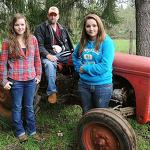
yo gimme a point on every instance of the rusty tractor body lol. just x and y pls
(107, 128)
(134, 73)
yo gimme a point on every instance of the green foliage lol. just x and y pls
(127, 23)
(109, 14)
(34, 14)
(71, 11)
(32, 9)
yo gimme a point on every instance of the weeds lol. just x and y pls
(57, 124)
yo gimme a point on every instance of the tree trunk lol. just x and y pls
(142, 27)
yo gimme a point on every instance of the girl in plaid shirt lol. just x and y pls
(20, 71)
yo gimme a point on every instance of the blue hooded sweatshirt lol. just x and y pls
(97, 65)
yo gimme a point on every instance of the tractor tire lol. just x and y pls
(105, 129)
(36, 101)
(5, 102)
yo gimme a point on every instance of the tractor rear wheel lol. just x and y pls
(105, 129)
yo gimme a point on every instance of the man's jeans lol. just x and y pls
(94, 96)
(50, 72)
(22, 93)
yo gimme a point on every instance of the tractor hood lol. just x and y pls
(132, 64)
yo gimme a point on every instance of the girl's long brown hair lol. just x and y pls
(84, 36)
(14, 45)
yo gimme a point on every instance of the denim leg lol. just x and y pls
(86, 96)
(28, 96)
(17, 94)
(102, 95)
(50, 72)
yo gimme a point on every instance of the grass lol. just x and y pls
(122, 45)
(142, 134)
(56, 123)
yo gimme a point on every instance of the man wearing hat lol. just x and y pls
(55, 46)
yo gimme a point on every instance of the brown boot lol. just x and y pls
(23, 138)
(52, 98)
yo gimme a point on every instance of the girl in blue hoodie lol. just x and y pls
(93, 58)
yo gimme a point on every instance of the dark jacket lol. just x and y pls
(44, 36)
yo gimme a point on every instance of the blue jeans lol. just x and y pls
(22, 93)
(50, 72)
(94, 96)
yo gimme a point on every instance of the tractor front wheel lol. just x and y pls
(105, 129)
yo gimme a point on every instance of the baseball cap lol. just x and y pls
(53, 9)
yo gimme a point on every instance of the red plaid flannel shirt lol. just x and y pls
(21, 69)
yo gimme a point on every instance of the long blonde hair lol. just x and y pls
(14, 45)
(84, 36)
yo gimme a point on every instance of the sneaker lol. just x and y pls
(52, 98)
(23, 138)
(37, 137)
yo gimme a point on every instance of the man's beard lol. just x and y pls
(52, 21)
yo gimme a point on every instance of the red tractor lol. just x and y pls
(99, 128)
(107, 128)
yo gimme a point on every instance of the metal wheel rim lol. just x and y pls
(97, 136)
